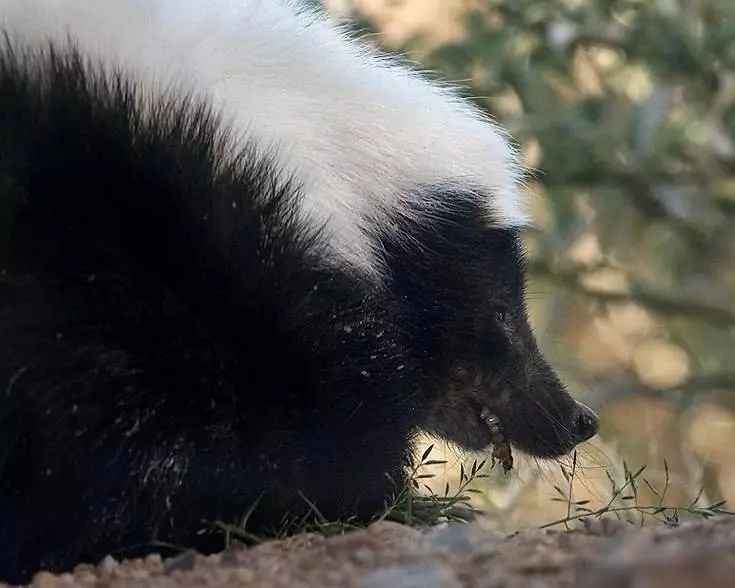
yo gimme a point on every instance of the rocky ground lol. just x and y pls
(605, 554)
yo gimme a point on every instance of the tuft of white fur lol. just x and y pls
(362, 133)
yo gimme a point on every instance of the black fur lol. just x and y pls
(177, 344)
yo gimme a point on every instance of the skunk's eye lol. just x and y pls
(500, 316)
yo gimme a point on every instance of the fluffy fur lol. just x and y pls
(243, 260)
(359, 130)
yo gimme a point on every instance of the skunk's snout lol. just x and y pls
(586, 422)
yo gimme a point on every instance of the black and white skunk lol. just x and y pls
(243, 259)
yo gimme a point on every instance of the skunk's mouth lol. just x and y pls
(500, 443)
(584, 425)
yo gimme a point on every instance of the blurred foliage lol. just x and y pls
(625, 112)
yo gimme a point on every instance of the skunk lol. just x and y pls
(244, 258)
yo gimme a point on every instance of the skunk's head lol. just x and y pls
(462, 277)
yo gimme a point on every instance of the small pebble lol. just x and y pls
(180, 563)
(363, 555)
(418, 575)
(107, 565)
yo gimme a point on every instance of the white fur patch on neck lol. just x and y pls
(360, 132)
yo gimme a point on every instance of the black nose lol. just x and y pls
(586, 422)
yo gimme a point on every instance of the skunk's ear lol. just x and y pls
(446, 242)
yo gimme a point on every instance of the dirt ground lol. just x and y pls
(605, 554)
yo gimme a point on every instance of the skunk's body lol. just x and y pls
(242, 261)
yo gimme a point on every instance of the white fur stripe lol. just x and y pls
(360, 131)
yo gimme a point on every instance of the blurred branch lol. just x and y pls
(721, 381)
(659, 302)
(630, 386)
(637, 185)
